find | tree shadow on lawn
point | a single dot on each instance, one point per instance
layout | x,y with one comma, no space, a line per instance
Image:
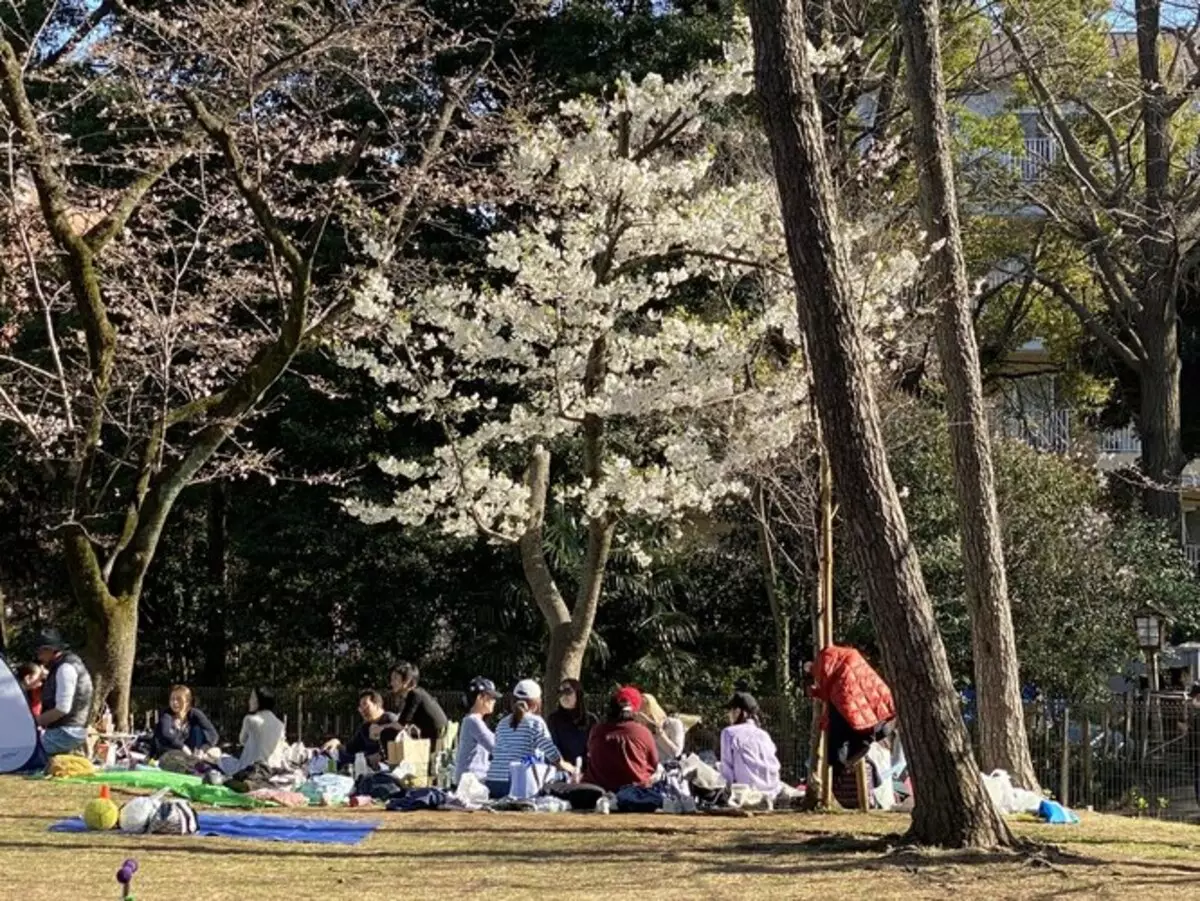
856,854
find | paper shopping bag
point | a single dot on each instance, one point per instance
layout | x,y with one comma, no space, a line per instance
408,748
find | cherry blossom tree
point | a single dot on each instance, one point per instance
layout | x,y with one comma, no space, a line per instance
183,190
627,354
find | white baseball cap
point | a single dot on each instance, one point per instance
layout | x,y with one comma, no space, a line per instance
527,690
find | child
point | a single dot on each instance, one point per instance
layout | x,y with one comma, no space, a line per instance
32,676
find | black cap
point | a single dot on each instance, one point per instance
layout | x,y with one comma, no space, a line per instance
49,638
481,686
743,700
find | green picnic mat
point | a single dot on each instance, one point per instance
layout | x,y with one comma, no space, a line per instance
191,787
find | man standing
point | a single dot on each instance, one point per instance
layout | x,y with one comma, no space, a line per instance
66,696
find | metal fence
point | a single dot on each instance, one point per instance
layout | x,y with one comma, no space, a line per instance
1126,755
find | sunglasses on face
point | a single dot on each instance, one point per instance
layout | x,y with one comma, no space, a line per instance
566,690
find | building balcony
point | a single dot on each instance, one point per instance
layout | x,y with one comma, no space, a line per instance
1192,551
1032,164
1045,431
1121,441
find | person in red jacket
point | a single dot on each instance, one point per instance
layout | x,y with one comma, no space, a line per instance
32,676
859,708
621,751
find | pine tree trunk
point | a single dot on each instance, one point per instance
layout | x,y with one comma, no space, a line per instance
952,808
1002,740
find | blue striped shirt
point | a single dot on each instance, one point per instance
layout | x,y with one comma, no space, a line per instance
513,744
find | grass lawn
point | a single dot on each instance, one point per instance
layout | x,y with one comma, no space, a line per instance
501,857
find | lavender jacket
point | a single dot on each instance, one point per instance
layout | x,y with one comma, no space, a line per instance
748,757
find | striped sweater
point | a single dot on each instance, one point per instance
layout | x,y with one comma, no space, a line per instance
513,744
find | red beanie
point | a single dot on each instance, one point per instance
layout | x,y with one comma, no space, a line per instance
629,696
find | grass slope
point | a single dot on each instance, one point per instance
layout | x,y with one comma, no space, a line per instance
502,857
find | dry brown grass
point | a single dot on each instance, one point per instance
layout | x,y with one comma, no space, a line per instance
502,857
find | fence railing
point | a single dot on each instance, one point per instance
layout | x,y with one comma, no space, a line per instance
1192,551
1121,441
1125,755
1031,164
1049,431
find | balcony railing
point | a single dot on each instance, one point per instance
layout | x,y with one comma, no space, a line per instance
1193,554
1031,165
1121,441
1049,431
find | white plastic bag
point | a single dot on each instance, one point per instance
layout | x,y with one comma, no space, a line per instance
470,790
999,786
526,779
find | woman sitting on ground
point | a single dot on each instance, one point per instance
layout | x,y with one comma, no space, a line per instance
748,755
183,726
668,729
476,741
262,736
520,734
571,722
621,750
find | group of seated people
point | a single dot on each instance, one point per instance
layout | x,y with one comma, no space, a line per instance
624,748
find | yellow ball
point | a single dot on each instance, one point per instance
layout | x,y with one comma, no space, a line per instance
100,814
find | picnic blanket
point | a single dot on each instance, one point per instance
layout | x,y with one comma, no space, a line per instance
266,828
186,786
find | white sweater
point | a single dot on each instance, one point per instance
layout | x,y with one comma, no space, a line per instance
262,740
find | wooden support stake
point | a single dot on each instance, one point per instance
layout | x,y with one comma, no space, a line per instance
825,629
864,786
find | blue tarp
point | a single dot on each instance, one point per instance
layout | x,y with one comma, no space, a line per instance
266,829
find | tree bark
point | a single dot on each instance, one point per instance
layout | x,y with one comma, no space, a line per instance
1159,423
1002,740
570,630
952,808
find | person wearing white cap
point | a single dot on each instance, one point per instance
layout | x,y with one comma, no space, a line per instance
521,733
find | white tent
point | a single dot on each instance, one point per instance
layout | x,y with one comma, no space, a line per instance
18,731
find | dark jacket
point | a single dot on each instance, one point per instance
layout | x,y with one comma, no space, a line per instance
81,704
421,710
569,737
197,732
362,743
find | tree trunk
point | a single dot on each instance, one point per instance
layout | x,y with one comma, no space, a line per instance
216,645
1158,319
1002,740
570,630
3,624
1159,414
564,660
952,808
109,655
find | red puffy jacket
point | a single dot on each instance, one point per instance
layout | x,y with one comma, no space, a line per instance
844,679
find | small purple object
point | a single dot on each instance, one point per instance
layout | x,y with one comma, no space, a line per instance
125,877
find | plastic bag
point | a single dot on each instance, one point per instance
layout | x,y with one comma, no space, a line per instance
470,790
1000,788
526,778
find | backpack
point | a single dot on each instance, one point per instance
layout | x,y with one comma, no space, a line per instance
173,817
